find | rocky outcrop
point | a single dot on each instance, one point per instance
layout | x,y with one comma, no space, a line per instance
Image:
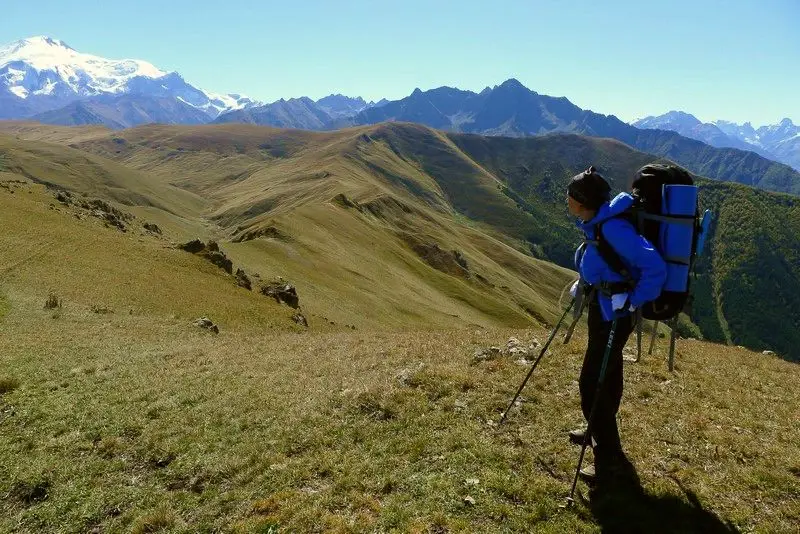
210,252
283,292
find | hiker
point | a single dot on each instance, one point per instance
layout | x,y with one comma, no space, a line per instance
588,199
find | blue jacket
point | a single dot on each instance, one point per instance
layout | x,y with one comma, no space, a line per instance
643,261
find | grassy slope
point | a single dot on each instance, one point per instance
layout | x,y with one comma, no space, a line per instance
415,181
47,249
756,267
134,420
245,187
67,168
140,422
508,189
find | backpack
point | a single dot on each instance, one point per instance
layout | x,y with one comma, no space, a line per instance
665,212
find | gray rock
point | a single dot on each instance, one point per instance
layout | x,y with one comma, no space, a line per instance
208,324
300,319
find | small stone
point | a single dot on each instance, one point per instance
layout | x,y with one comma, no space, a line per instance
63,197
282,293
150,227
242,280
513,342
205,322
300,319
406,374
469,500
193,246
480,355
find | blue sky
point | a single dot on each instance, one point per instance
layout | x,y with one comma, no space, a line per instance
736,59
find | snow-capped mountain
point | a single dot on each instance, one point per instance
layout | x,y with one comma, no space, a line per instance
41,74
766,136
688,125
745,131
779,142
782,140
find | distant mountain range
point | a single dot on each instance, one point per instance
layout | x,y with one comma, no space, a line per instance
303,113
780,142
45,80
512,110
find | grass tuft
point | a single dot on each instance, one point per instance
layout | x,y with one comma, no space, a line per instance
52,302
155,521
29,492
8,385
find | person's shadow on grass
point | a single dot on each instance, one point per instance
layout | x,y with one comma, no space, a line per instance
621,505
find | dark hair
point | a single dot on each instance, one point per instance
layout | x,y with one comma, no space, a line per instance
589,188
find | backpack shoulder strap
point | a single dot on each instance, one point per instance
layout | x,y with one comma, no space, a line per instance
609,255
607,252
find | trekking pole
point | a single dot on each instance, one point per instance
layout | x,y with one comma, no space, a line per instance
584,300
638,335
571,327
653,339
544,349
673,334
587,435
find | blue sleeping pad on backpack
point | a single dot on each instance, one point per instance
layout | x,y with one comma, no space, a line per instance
676,236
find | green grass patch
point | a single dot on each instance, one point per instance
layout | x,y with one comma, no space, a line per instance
146,428
5,306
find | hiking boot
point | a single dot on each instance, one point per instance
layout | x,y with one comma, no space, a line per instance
577,436
610,469
588,474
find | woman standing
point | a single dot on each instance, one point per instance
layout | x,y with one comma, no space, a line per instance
615,295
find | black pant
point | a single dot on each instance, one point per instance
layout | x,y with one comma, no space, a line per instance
604,423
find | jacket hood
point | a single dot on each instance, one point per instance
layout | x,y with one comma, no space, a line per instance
612,208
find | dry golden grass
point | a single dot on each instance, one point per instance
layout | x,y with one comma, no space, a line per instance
127,420
136,420
343,260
